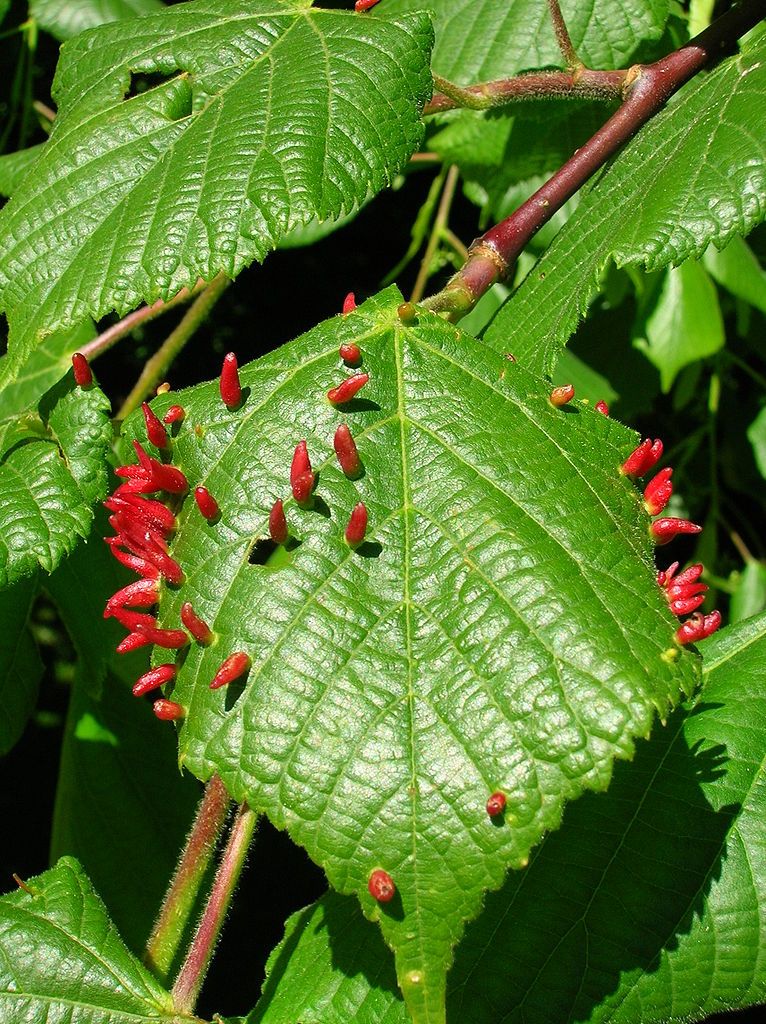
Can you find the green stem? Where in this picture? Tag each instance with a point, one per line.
(440, 222)
(577, 83)
(156, 367)
(192, 973)
(184, 889)
(562, 35)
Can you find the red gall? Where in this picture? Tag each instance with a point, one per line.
(153, 679)
(349, 304)
(154, 428)
(167, 710)
(206, 503)
(346, 452)
(658, 491)
(347, 389)
(198, 628)
(132, 620)
(561, 395)
(301, 462)
(175, 414)
(231, 389)
(232, 668)
(141, 594)
(685, 605)
(303, 487)
(83, 377)
(170, 638)
(351, 354)
(643, 458)
(664, 530)
(130, 561)
(278, 530)
(153, 513)
(357, 525)
(381, 886)
(602, 407)
(698, 627)
(131, 643)
(496, 804)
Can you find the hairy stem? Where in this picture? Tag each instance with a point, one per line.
(493, 256)
(562, 35)
(440, 222)
(184, 888)
(158, 364)
(192, 973)
(577, 83)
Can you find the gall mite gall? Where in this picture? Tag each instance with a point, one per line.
(167, 710)
(347, 389)
(561, 395)
(232, 668)
(154, 428)
(346, 452)
(206, 503)
(198, 628)
(231, 390)
(381, 886)
(153, 679)
(278, 523)
(349, 303)
(357, 525)
(83, 377)
(496, 804)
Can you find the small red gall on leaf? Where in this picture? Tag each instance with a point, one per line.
(139, 565)
(198, 628)
(561, 395)
(167, 710)
(132, 620)
(170, 638)
(232, 668)
(602, 407)
(83, 377)
(349, 304)
(658, 491)
(698, 627)
(131, 643)
(303, 487)
(154, 428)
(153, 679)
(357, 525)
(231, 390)
(643, 458)
(664, 530)
(141, 594)
(496, 804)
(301, 462)
(175, 414)
(278, 530)
(407, 312)
(685, 605)
(381, 886)
(346, 451)
(347, 389)
(206, 503)
(351, 354)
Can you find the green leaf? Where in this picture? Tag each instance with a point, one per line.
(66, 20)
(46, 365)
(750, 596)
(395, 687)
(20, 665)
(684, 323)
(648, 905)
(477, 40)
(695, 174)
(737, 269)
(52, 471)
(756, 435)
(62, 958)
(271, 114)
(14, 167)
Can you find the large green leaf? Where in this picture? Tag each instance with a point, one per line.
(66, 20)
(477, 40)
(14, 167)
(695, 174)
(46, 365)
(20, 665)
(270, 114)
(648, 905)
(500, 628)
(52, 471)
(62, 959)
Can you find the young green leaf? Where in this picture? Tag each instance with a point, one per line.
(66, 20)
(499, 628)
(62, 958)
(268, 114)
(20, 664)
(693, 175)
(646, 906)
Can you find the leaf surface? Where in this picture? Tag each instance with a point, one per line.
(500, 628)
(66, 20)
(14, 166)
(20, 665)
(63, 960)
(268, 114)
(676, 844)
(695, 175)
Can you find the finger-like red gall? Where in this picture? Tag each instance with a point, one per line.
(130, 561)
(643, 458)
(381, 886)
(346, 390)
(153, 679)
(153, 513)
(168, 567)
(301, 462)
(682, 591)
(664, 576)
(685, 605)
(602, 407)
(561, 395)
(198, 628)
(167, 710)
(232, 668)
(303, 487)
(357, 525)
(206, 503)
(175, 414)
(278, 530)
(698, 627)
(170, 638)
(349, 303)
(231, 389)
(351, 354)
(407, 312)
(685, 578)
(496, 804)
(154, 428)
(664, 530)
(345, 449)
(141, 594)
(131, 643)
(132, 620)
(658, 491)
(83, 377)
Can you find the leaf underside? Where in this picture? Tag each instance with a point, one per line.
(267, 114)
(499, 628)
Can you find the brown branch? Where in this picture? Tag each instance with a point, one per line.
(648, 87)
(580, 83)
